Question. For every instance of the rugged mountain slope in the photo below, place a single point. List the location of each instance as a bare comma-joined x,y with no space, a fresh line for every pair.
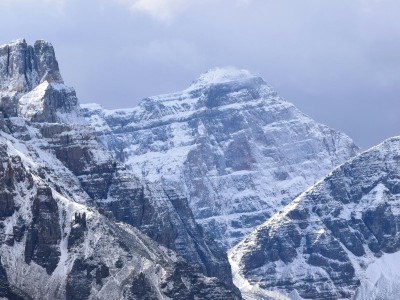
229,142
338,240
83,249
53,247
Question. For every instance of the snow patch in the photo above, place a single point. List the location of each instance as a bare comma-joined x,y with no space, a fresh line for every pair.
382,279
33,102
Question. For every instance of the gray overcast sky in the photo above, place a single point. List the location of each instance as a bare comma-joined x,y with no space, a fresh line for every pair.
338,61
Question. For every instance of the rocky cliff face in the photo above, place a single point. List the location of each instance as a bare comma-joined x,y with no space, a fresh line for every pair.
338,240
157,211
55,248
228,142
69,210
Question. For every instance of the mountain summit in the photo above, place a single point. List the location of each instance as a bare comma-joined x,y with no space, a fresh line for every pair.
223,75
237,150
24,67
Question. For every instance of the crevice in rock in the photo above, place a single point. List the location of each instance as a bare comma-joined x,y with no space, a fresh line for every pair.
8,61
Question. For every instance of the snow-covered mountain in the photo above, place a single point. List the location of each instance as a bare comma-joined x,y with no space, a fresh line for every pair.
339,239
229,142
74,223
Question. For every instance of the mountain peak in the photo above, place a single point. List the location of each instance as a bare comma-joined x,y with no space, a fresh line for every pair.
223,75
22,68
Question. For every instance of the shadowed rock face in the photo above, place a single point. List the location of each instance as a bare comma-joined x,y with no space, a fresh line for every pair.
80,251
321,246
77,148
141,289
156,211
70,251
229,143
165,217
82,275
7,205
44,234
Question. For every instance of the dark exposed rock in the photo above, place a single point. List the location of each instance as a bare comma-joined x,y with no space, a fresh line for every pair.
384,225
78,228
179,286
102,272
7,205
119,263
141,289
18,232
79,281
44,233
78,149
275,247
161,214
166,217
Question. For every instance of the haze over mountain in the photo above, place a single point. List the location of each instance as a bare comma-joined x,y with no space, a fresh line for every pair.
336,60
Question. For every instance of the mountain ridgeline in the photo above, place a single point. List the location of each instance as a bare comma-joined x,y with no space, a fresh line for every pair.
338,240
75,223
149,202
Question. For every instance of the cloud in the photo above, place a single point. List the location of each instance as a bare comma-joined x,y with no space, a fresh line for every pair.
56,2
243,2
166,10
338,62
163,10
58,5
170,53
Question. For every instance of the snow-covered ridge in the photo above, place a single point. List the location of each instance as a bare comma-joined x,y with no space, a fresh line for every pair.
336,239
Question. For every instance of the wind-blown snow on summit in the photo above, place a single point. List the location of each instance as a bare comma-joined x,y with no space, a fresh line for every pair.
229,142
338,240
